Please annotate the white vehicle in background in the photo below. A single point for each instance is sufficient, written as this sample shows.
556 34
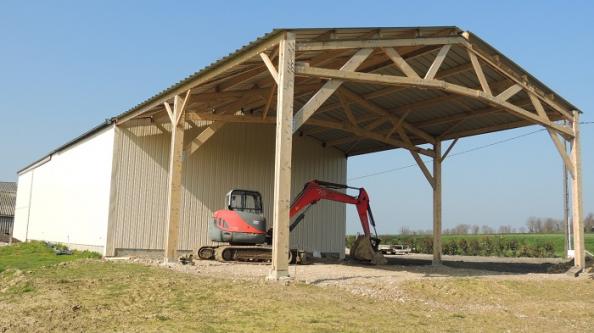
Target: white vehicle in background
394 249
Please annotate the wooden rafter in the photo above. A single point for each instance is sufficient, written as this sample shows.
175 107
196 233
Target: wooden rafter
377 43
327 90
434 84
204 136
346 108
360 132
478 70
441 55
372 107
525 86
509 92
211 74
400 62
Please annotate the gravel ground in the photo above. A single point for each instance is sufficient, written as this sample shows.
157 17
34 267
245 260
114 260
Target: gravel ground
380 282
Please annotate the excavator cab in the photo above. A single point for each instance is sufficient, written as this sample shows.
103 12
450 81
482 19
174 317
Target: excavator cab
244 201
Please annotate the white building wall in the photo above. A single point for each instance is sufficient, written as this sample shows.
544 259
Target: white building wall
237 156
66 197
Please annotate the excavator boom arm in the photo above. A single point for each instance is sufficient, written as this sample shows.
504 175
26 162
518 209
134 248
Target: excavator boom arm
316 190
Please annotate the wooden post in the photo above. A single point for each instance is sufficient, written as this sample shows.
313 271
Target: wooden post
177 117
437 203
282 158
576 195
567 241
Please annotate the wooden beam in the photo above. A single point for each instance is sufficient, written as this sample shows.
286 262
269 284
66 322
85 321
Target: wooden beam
554 137
346 108
417 158
204 136
228 118
509 92
478 70
450 147
440 75
433 84
441 55
377 43
327 90
437 209
377 109
270 66
576 196
488 129
369 135
514 77
203 78
282 159
400 62
268 102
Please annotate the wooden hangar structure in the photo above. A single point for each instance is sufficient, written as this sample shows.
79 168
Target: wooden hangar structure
362 90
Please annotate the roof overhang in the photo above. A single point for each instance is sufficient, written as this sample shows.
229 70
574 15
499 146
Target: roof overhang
410 86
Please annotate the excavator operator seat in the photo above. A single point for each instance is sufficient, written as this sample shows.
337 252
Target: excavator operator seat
244 201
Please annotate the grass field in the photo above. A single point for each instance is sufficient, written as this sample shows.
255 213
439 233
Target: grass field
555 239
91 295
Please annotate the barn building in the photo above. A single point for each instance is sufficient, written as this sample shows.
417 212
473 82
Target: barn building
291 106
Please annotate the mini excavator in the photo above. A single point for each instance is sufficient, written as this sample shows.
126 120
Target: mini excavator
243 227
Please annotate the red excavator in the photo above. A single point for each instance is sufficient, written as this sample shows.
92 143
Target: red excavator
242 224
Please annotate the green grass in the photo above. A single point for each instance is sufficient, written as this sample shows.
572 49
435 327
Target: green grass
555 239
97 296
32 255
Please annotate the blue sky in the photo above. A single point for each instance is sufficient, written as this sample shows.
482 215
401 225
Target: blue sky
65 66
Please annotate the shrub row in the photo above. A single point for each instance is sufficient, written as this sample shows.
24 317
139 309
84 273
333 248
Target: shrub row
476 246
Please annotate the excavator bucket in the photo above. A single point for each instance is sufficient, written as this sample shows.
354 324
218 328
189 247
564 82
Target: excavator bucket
363 250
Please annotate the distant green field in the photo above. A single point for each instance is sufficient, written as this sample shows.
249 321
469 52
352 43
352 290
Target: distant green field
556 240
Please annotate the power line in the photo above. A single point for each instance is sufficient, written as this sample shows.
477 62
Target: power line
459 153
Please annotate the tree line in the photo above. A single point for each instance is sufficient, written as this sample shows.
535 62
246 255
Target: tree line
533 225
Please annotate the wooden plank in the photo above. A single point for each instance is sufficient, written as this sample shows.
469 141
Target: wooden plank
441 55
229 118
377 43
377 109
268 102
554 137
282 159
270 66
417 158
435 84
400 62
576 196
509 92
514 77
437 209
346 108
204 136
368 134
478 70
327 90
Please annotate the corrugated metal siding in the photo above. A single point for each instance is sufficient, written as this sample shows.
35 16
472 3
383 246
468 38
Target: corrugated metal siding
7 198
238 156
5 225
